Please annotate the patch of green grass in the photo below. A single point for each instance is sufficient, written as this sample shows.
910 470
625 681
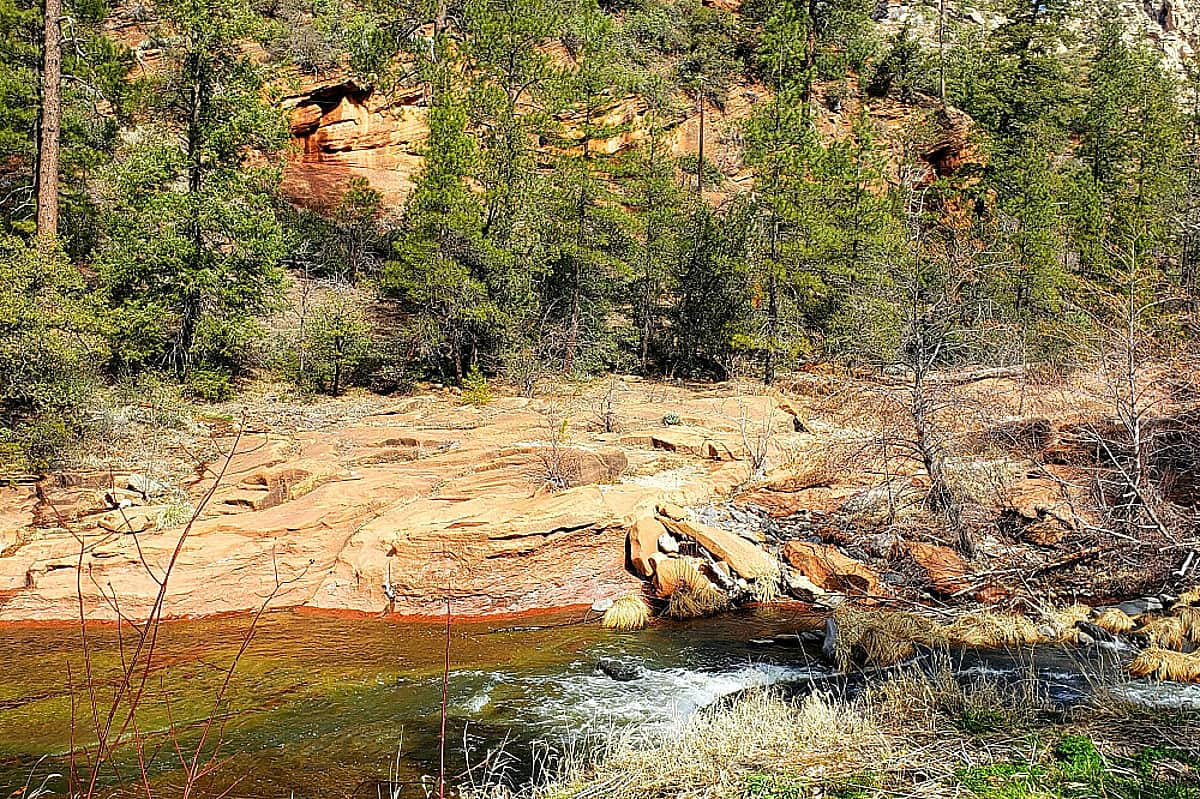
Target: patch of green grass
1078 770
774 786
982 720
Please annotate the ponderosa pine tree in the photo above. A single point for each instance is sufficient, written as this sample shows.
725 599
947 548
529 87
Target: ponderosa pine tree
438 268
1124 194
192 248
94 97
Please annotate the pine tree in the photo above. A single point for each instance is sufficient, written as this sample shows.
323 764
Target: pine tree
192 247
438 269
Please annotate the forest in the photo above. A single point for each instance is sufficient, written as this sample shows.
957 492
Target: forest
145 237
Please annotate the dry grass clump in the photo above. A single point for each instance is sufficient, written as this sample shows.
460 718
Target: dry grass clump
1189 597
1166 664
1165 631
694 600
984 628
630 612
884 637
1115 621
918 699
817 738
1189 620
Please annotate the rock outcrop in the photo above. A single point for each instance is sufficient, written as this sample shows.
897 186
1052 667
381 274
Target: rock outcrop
394 511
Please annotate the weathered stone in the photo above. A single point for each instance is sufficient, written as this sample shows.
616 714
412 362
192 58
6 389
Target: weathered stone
944 568
668 543
799 585
126 522
643 543
672 511
829 569
742 556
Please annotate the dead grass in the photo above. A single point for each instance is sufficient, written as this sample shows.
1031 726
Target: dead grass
1189 597
925 699
883 637
630 612
1165 631
1166 664
695 600
985 628
720 748
1115 621
1189 620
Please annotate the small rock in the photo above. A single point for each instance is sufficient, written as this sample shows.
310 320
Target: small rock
1083 639
1048 631
1093 632
672 512
601 605
619 670
829 642
1138 607
668 543
800 586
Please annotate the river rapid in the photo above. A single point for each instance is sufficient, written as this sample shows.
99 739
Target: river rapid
324 706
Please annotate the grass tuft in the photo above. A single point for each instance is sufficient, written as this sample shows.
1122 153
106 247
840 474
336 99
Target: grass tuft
1166 632
1166 664
986 629
1115 621
1189 597
630 612
695 599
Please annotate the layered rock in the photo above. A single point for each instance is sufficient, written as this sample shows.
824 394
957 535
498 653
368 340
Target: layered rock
394 512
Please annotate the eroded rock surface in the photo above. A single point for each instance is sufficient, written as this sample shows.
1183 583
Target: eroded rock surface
392 512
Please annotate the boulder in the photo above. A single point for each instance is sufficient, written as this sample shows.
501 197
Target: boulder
946 570
742 556
619 670
643 543
126 521
829 569
672 511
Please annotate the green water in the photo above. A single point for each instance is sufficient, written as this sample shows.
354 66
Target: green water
321 706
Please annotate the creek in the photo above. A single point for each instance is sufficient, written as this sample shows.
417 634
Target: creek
324 706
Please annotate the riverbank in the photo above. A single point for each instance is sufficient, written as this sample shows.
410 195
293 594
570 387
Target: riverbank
912 734
505 504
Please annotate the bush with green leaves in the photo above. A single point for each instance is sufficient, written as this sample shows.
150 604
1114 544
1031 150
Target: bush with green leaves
334 341
48 351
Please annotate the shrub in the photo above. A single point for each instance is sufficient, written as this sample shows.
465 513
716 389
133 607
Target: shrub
334 340
49 344
476 390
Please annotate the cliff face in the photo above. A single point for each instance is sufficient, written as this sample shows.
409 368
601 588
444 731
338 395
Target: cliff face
342 130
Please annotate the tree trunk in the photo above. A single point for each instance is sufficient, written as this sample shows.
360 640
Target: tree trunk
700 154
51 125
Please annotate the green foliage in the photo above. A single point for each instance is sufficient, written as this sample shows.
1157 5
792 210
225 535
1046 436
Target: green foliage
476 390
48 352
192 243
95 72
1079 770
334 341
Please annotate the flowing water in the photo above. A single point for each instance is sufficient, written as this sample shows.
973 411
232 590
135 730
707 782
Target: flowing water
323 706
